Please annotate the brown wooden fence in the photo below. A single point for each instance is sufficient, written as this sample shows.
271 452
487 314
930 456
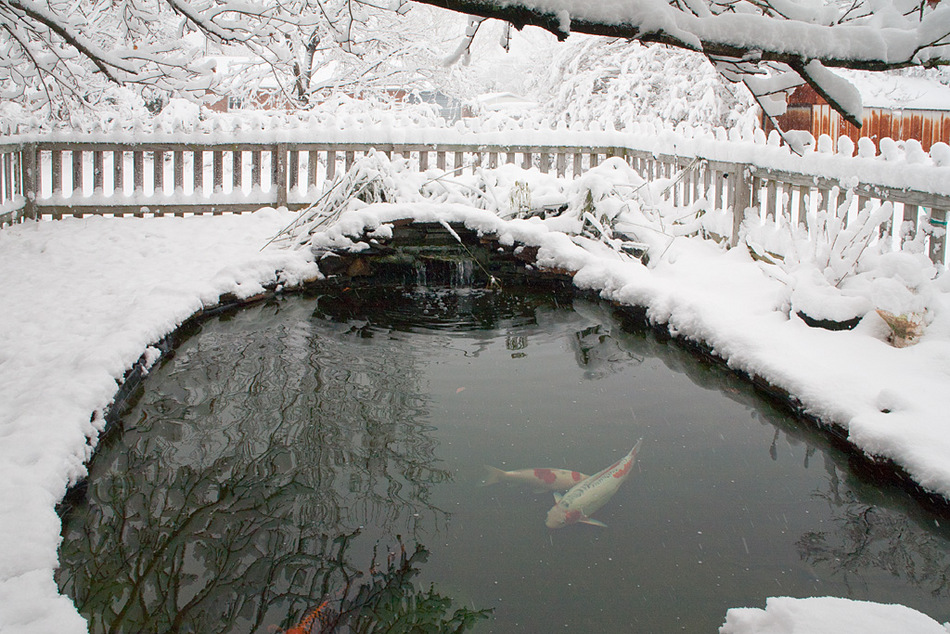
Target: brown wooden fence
55 179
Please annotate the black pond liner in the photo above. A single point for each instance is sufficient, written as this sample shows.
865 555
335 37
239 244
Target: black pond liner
428 251
830 324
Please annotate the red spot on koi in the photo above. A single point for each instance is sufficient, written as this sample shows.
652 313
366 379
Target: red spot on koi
624 471
572 517
577 476
545 475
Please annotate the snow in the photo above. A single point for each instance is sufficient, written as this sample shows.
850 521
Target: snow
898 92
504 101
843 92
828 615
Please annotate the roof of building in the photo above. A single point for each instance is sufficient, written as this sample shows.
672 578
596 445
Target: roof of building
889 90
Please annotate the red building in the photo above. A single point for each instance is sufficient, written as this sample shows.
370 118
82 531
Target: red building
894 106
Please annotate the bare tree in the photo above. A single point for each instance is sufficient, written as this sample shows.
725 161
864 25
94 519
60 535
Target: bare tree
308 46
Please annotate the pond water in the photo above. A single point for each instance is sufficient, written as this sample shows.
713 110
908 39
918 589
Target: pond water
280 447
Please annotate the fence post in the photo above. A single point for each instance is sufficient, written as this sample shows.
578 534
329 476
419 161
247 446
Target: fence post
280 173
938 235
77 189
909 226
118 172
742 188
30 180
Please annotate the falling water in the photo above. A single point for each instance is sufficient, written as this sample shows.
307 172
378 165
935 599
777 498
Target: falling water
462 275
421 278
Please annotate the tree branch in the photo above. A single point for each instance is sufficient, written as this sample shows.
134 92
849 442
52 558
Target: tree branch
92 53
805 47
723 35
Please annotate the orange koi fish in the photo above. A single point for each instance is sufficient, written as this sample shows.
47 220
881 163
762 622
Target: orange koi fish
306 624
584 498
545 479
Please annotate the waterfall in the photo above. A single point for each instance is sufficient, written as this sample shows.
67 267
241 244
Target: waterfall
419 267
462 273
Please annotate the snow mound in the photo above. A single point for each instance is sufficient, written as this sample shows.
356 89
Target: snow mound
828 615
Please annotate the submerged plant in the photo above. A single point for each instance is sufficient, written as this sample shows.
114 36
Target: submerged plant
389 601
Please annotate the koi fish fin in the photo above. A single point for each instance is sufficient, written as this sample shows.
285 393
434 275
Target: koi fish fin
493 476
558 497
592 522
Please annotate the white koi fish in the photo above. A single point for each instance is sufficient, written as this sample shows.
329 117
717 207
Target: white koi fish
544 479
580 502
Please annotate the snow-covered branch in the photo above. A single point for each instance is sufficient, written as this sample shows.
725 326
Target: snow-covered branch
863 35
58 56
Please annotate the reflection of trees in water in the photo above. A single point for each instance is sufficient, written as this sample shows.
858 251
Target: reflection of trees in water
869 537
253 448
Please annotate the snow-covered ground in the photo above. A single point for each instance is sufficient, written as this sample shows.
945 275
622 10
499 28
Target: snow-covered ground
83 299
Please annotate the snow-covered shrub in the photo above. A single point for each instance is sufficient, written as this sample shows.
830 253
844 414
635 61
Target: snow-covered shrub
606 201
839 270
373 178
508 190
611 204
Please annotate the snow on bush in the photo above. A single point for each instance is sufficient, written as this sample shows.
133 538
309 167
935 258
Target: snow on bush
374 178
611 205
828 615
838 269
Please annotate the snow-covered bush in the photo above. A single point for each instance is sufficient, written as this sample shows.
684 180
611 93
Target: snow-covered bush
838 269
374 178
508 190
610 204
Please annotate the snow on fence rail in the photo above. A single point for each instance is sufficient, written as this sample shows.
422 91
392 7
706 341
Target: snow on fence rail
52 179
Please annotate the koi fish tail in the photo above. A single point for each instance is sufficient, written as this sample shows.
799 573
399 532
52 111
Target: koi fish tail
493 475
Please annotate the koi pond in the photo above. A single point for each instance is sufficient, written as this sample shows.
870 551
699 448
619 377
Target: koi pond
318 456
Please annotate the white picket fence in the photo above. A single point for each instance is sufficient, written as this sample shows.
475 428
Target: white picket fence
52 179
